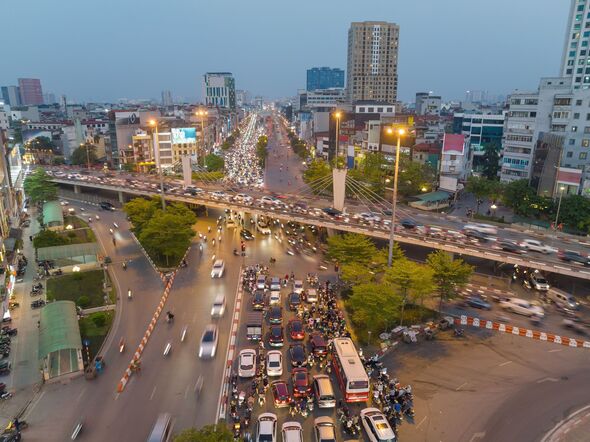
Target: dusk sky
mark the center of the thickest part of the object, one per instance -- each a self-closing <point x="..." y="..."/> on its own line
<point x="115" y="48"/>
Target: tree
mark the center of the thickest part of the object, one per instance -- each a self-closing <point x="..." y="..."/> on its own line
<point x="182" y="211"/>
<point x="140" y="211"/>
<point x="41" y="143"/>
<point x="575" y="212"/>
<point x="522" y="198"/>
<point x="39" y="187"/>
<point x="413" y="176"/>
<point x="81" y="157"/>
<point x="316" y="175"/>
<point x="373" y="305"/>
<point x="449" y="274"/>
<point x="491" y="160"/>
<point x="351" y="247"/>
<point x="166" y="235"/>
<point x="209" y="433"/>
<point x="48" y="238"/>
<point x="261" y="152"/>
<point x="370" y="170"/>
<point x="354" y="273"/>
<point x="214" y="162"/>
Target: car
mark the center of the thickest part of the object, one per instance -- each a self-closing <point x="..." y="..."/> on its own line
<point x="369" y="217"/>
<point x="409" y="223"/>
<point x="480" y="236"/>
<point x="297" y="355"/>
<point x="483" y="228"/>
<point x="274" y="298"/>
<point x="258" y="300"/>
<point x="512" y="247"/>
<point x="522" y="307"/>
<point x="538" y="281"/>
<point x="247" y="363"/>
<point x="105" y="205"/>
<point x="536" y="246"/>
<point x="294" y="300"/>
<point x="292" y="432"/>
<point x="261" y="282"/>
<point x="376" y="425"/>
<point x="263" y="228"/>
<point x="218" y="269"/>
<point x="477" y="302"/>
<point x="319" y="347"/>
<point x="208" y="346"/>
<point x="275" y="336"/>
<point x="246" y="234"/>
<point x="280" y="394"/>
<point x="296" y="330"/>
<point x="218" y="194"/>
<point x="266" y="428"/>
<point x="275" y="314"/>
<point x="324" y="429"/>
<point x="300" y="382"/>
<point x="274" y="363"/>
<point x="218" y="308"/>
<point x="275" y="283"/>
<point x="268" y="200"/>
<point x="230" y="223"/>
<point x="572" y="256"/>
<point x="243" y="198"/>
<point x="297" y="286"/>
<point x="311" y="295"/>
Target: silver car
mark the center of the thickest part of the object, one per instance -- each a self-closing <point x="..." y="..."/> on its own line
<point x="208" y="346"/>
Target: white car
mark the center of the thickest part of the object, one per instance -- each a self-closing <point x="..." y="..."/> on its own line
<point x="263" y="228"/>
<point x="230" y="223"/>
<point x="218" y="308"/>
<point x="266" y="428"/>
<point x="243" y="198"/>
<point x="298" y="286"/>
<point x="376" y="425"/>
<point x="538" y="281"/>
<point x="208" y="346"/>
<point x="247" y="363"/>
<point x="274" y="298"/>
<point x="292" y="432"/>
<point x="274" y="363"/>
<point x="218" y="194"/>
<point x="522" y="307"/>
<point x="369" y="217"/>
<point x="275" y="283"/>
<point x="536" y="246"/>
<point x="482" y="228"/>
<point x="324" y="429"/>
<point x="268" y="200"/>
<point x="218" y="269"/>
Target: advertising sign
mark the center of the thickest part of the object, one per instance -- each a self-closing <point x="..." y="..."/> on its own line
<point x="184" y="135"/>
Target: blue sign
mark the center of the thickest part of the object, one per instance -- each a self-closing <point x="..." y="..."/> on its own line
<point x="184" y="135"/>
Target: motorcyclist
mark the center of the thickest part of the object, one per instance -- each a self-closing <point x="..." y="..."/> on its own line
<point x="124" y="265"/>
<point x="169" y="316"/>
<point x="129" y="294"/>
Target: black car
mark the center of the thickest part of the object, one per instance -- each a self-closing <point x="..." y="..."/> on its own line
<point x="294" y="300"/>
<point x="246" y="234"/>
<point x="331" y="211"/>
<point x="258" y="300"/>
<point x="571" y="256"/>
<point x="512" y="247"/>
<point x="106" y="206"/>
<point x="275" y="336"/>
<point x="297" y="355"/>
<point x="475" y="234"/>
<point x="409" y="223"/>
<point x="275" y="315"/>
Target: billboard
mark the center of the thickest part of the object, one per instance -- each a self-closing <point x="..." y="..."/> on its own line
<point x="184" y="135"/>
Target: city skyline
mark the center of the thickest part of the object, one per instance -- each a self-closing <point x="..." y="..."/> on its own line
<point x="477" y="55"/>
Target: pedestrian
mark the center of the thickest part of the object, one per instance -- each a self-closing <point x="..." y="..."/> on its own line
<point x="31" y="238"/>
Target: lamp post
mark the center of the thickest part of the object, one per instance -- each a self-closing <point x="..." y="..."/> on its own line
<point x="338" y="115"/>
<point x="154" y="124"/>
<point x="561" y="189"/>
<point x="400" y="131"/>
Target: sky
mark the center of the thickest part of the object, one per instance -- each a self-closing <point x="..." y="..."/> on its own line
<point x="113" y="49"/>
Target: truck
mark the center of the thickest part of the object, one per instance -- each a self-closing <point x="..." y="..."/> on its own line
<point x="254" y="326"/>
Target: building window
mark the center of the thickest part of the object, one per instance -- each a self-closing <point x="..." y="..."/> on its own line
<point x="453" y="157"/>
<point x="361" y="109"/>
<point x="583" y="155"/>
<point x="572" y="141"/>
<point x="576" y="115"/>
<point x="574" y="128"/>
<point x="569" y="154"/>
<point x="586" y="142"/>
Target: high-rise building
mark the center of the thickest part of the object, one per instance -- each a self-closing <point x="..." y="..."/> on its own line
<point x="30" y="91"/>
<point x="167" y="98"/>
<point x="372" y="61"/>
<point x="427" y="104"/>
<point x="11" y="95"/>
<point x="324" y="78"/>
<point x="575" y="61"/>
<point x="219" y="89"/>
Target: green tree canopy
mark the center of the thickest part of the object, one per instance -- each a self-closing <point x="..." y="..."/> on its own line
<point x="371" y="170"/>
<point x="316" y="175"/>
<point x="79" y="155"/>
<point x="41" y="143"/>
<point x="140" y="211"/>
<point x="354" y="273"/>
<point x="214" y="162"/>
<point x="166" y="235"/>
<point x="351" y="248"/>
<point x="448" y="274"/>
<point x="413" y="176"/>
<point x="575" y="212"/>
<point x="491" y="160"/>
<point x="48" y="238"/>
<point x="373" y="306"/>
<point x="39" y="187"/>
<point x="522" y="198"/>
<point x="209" y="433"/>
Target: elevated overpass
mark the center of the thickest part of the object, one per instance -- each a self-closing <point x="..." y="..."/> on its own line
<point x="548" y="263"/>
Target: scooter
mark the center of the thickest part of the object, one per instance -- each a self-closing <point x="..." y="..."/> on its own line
<point x="77" y="429"/>
<point x="124" y="265"/>
<point x="129" y="294"/>
<point x="121" y="345"/>
<point x="167" y="349"/>
<point x="183" y="334"/>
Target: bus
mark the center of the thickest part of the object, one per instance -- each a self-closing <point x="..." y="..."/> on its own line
<point x="351" y="374"/>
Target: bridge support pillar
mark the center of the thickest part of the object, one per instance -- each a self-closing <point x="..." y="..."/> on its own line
<point x="339" y="187"/>
<point x="121" y="197"/>
<point x="76" y="189"/>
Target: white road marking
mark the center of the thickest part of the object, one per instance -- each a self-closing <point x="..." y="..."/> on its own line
<point x="461" y="386"/>
<point x="476" y="436"/>
<point x="81" y="394"/>
<point x="153" y="392"/>
<point x="540" y="381"/>
<point x="186" y="392"/>
<point x="37" y="400"/>
<point x="504" y="363"/>
<point x="555" y="350"/>
<point x="421" y="422"/>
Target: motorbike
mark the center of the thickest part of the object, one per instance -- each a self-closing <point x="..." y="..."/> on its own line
<point x="121" y="345"/>
<point x="169" y="317"/>
<point x="183" y="333"/>
<point x="236" y="252"/>
<point x="241" y="398"/>
<point x="77" y="429"/>
<point x="116" y="225"/>
<point x="58" y="272"/>
<point x="129" y="294"/>
<point x="167" y="349"/>
<point x="111" y="231"/>
<point x="124" y="265"/>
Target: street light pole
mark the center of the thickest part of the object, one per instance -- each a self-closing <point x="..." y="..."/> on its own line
<point x="154" y="124"/>
<point x="561" y="189"/>
<point x="337" y="115"/>
<point x="400" y="132"/>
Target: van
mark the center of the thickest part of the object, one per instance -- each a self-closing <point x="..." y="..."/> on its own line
<point x="323" y="391"/>
<point x="311" y="295"/>
<point x="564" y="299"/>
<point x="162" y="429"/>
<point x="261" y="282"/>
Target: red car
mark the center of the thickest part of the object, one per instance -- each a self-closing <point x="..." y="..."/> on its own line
<point x="300" y="381"/>
<point x="318" y="344"/>
<point x="296" y="330"/>
<point x="280" y="394"/>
